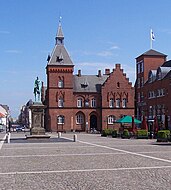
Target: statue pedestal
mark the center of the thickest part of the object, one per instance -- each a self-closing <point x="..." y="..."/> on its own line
<point x="37" y="119"/>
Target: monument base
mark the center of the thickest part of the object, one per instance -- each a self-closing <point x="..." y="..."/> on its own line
<point x="37" y="131"/>
<point x="36" y="137"/>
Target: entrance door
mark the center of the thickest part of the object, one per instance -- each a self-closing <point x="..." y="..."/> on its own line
<point x="93" y="122"/>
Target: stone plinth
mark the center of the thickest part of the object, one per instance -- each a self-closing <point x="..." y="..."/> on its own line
<point x="37" y="119"/>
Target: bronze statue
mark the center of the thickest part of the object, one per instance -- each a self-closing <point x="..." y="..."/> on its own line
<point x="37" y="90"/>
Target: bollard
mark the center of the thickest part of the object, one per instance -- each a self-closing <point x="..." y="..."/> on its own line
<point x="75" y="138"/>
<point x="59" y="134"/>
<point x="8" y="137"/>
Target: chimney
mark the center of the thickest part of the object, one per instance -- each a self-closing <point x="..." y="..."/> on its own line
<point x="79" y="73"/>
<point x="99" y="73"/>
<point x="107" y="71"/>
<point x="118" y="65"/>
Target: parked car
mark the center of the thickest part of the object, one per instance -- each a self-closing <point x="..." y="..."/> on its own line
<point x="20" y="128"/>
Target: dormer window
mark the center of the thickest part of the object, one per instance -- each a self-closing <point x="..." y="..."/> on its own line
<point x="150" y="79"/>
<point x="159" y="75"/>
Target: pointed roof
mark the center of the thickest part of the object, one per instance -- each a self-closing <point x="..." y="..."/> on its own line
<point x="59" y="55"/>
<point x="152" y="52"/>
<point x="59" y="34"/>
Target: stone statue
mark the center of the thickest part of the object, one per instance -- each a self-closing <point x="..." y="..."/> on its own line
<point x="37" y="90"/>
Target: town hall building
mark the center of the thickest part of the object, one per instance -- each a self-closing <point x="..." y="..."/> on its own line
<point x="77" y="102"/>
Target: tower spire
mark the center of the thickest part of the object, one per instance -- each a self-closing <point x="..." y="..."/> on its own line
<point x="59" y="36"/>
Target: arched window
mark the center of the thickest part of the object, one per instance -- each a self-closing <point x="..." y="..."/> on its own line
<point x="60" y="119"/>
<point x="60" y="102"/>
<point x="79" y="119"/>
<point x="93" y="103"/>
<point x="124" y="103"/>
<point x="111" y="119"/>
<point x="111" y="103"/>
<point x="79" y="103"/>
<point x="60" y="83"/>
<point x="118" y="103"/>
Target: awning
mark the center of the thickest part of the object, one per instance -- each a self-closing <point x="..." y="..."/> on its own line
<point x="128" y="119"/>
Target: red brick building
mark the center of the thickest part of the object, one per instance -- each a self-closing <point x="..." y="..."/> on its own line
<point x="152" y="88"/>
<point x="81" y="102"/>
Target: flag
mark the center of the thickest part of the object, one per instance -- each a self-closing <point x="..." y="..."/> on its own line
<point x="152" y="35"/>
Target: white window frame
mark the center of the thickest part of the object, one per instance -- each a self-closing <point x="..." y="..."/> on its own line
<point x="124" y="103"/>
<point x="118" y="103"/>
<point x="111" y="119"/>
<point x="79" y="102"/>
<point x="79" y="119"/>
<point x="111" y="103"/>
<point x="60" y="102"/>
<point x="60" y="83"/>
<point x="60" y="119"/>
<point x="93" y="103"/>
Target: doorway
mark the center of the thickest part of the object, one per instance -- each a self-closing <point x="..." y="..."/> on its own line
<point x="93" y="122"/>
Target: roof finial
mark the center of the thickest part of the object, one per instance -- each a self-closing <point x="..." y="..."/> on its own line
<point x="59" y="36"/>
<point x="60" y="20"/>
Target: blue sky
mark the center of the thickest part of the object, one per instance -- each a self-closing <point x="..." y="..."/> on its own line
<point x="98" y="34"/>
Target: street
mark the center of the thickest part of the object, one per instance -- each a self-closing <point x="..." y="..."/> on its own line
<point x="91" y="163"/>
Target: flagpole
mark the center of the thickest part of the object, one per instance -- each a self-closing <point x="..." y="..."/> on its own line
<point x="151" y="45"/>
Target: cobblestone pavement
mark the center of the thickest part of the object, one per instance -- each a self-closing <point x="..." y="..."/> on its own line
<point x="91" y="163"/>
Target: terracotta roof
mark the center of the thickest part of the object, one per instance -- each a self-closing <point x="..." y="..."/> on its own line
<point x="2" y="115"/>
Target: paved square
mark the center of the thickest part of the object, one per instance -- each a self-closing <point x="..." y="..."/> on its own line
<point x="91" y="163"/>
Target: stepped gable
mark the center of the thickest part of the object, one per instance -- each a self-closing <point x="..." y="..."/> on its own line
<point x="118" y="66"/>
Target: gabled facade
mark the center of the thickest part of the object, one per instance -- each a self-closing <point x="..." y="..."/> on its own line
<point x="81" y="102"/>
<point x="146" y="62"/>
<point x="158" y="95"/>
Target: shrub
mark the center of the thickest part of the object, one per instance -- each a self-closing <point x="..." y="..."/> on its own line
<point x="114" y="133"/>
<point x="163" y="136"/>
<point x="141" y="134"/>
<point x="125" y="134"/>
<point x="106" y="132"/>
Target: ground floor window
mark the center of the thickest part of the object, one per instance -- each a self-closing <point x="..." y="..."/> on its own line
<point x="79" y="119"/>
<point x="111" y="119"/>
<point x="60" y="119"/>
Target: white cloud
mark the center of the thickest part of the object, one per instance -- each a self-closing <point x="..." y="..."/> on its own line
<point x="105" y="54"/>
<point x="13" y="51"/>
<point x="114" y="47"/>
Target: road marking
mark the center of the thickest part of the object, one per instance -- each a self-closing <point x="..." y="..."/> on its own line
<point x="85" y="170"/>
<point x="2" y="141"/>
<point x="43" y="147"/>
<point x="58" y="155"/>
<point x="124" y="151"/>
